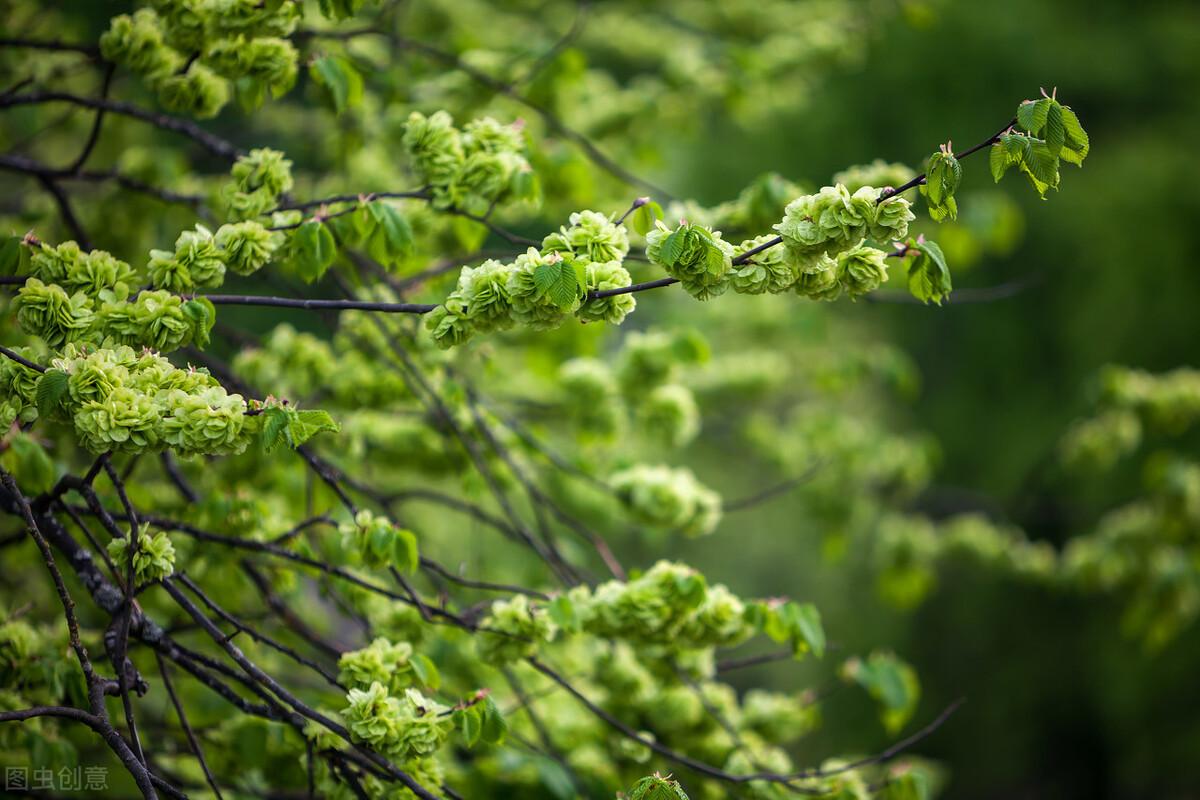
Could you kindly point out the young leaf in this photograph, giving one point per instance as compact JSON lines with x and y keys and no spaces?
{"x":495,"y":727}
{"x":203,"y":315}
{"x":405,"y":556}
{"x":672,"y":246}
{"x":1077,"y":144}
{"x":340,"y":79}
{"x":1031,"y":115}
{"x":26,"y":459}
{"x":928,"y":274}
{"x":998,"y":161}
{"x":1056,"y":132}
{"x":10,"y":255}
{"x":313,"y":249}
{"x":645,"y":217}
{"x":891,"y":682}
{"x":50,"y":389}
{"x":942,"y":177}
{"x":392,"y":236}
{"x":470,"y":724}
{"x":562,"y":611}
{"x":274,"y":427}
{"x":303,"y":425}
{"x":656,"y":787}
{"x":808,"y":625}
{"x":713,"y":256}
{"x":559,"y":281}
{"x":426,"y":671}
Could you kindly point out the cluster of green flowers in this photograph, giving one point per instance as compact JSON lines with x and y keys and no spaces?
{"x":825,"y":251}
{"x":258,"y":180}
{"x":513,"y":629}
{"x":200,"y":258}
{"x":190,"y":51}
{"x":153,"y":560}
{"x":825,"y":234}
{"x":379,"y":543}
{"x":1129,"y":403}
{"x":541,"y":288}
{"x":908,"y":549}
{"x":401,"y":727}
{"x":379,"y":662}
{"x":646,"y":377}
{"x":667,"y":497}
{"x":469,"y":169}
{"x":696,"y":255}
{"x":668,"y":604}
{"x":592,"y":398}
{"x":118,"y":399}
{"x":74,"y":296}
{"x":18,"y":388}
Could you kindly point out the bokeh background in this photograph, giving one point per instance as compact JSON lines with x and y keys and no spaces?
{"x":1059,"y":703}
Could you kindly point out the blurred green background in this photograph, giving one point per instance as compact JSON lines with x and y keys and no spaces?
{"x":1059,"y":703}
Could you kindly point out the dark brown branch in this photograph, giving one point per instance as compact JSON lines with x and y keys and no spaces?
{"x":210,"y":142}
{"x":61,"y":47}
{"x":187,"y":728}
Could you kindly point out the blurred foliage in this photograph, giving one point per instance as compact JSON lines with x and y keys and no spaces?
{"x":948,"y":487}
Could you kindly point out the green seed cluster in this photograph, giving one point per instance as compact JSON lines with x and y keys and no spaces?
{"x":825,"y":237}
{"x":667,"y":497}
{"x":118,"y":399}
{"x":379,"y":662}
{"x":470,"y":169}
{"x":153,"y":560}
{"x":541,"y":289}
{"x":258,"y":180}
{"x":400,"y":727}
{"x":190,"y":52}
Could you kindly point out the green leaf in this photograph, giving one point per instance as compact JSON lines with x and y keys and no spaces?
{"x":998,"y":161}
{"x":426,"y":671}
{"x":405,"y":556}
{"x":203,"y":315}
{"x":656,"y":787}
{"x":50,"y":390}
{"x":274,"y":426}
{"x":928,"y":275}
{"x":11,"y":253}
{"x":562,"y":611}
{"x":913,"y":784}
{"x":889,"y":681}
{"x":672,"y":246}
{"x":28,"y":462}
{"x":1077,"y":143}
{"x":495,"y":727}
{"x":1056,"y":132}
{"x":942,"y":177}
{"x":714,"y":257}
{"x":392,"y":236}
{"x":340,"y":79}
{"x":1042,"y":164}
{"x":303,"y":425}
{"x":808,"y":625}
{"x":1031,"y":114}
{"x":470,"y":725}
{"x":556,"y":779}
{"x":645,"y":217}
{"x":313,"y":250}
{"x":559,"y":281}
